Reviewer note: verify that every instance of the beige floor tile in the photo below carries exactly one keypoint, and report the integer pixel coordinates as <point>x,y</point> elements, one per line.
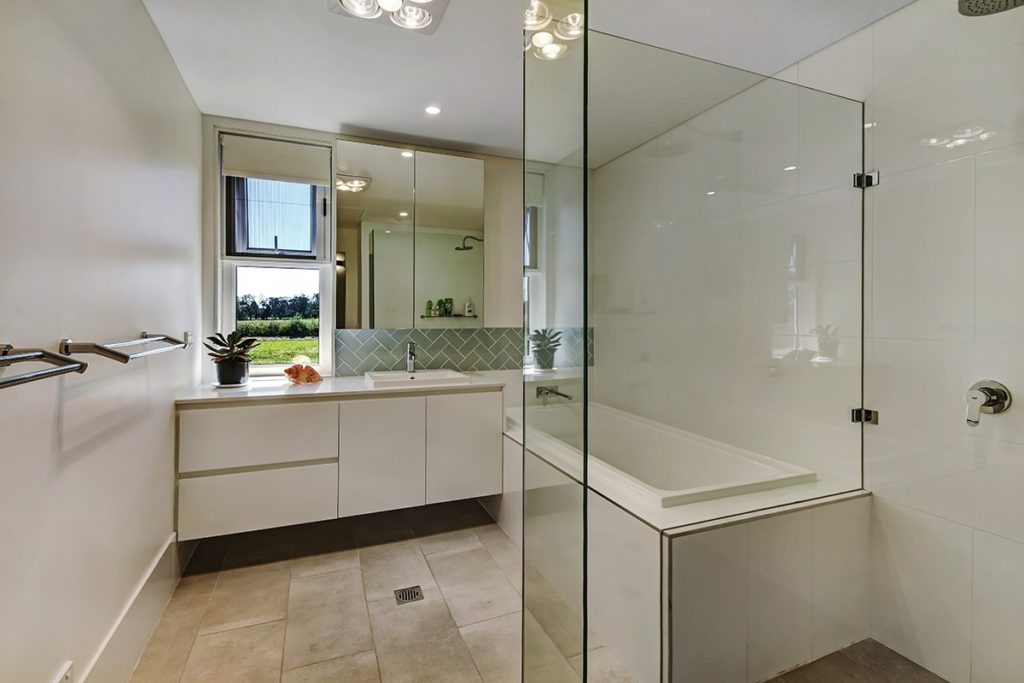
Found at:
<point>461,539</point>
<point>495,646</point>
<point>244,655</point>
<point>248,596</point>
<point>196,584</point>
<point>538,649</point>
<point>359,668</point>
<point>502,549</point>
<point>387,568</point>
<point>168,648</point>
<point>559,671</point>
<point>603,667</point>
<point>514,574</point>
<point>324,547</point>
<point>324,563</point>
<point>473,585</point>
<point>327,618</point>
<point>562,624</point>
<point>419,643</point>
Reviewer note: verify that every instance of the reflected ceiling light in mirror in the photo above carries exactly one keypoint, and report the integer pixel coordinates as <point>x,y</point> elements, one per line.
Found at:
<point>870,124</point>
<point>411,17</point>
<point>364,9</point>
<point>789,168</point>
<point>433,110</point>
<point>542,38</point>
<point>407,154</point>
<point>711,193</point>
<point>536,16</point>
<point>352,183</point>
<point>403,214</point>
<point>959,137</point>
<point>571,27</point>
<point>390,5</point>
<point>551,51</point>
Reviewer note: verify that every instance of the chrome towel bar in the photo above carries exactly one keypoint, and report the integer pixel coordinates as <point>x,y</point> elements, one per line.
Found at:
<point>62,364</point>
<point>113,349</point>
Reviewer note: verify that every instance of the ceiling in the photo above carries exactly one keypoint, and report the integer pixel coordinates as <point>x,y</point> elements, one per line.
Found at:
<point>293,62</point>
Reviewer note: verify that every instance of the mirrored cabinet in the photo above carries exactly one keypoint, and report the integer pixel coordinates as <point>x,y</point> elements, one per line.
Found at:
<point>410,243</point>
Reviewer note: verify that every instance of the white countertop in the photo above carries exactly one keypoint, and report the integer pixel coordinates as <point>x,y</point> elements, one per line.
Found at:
<point>275,389</point>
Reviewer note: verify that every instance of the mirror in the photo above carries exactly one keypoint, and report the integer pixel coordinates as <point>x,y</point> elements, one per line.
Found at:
<point>410,232</point>
<point>449,245</point>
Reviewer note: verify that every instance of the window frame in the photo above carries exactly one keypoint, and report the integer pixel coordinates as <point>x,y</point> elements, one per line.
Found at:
<point>226,264</point>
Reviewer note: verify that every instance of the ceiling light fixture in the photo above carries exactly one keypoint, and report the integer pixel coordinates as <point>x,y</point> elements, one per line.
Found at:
<point>352,183</point>
<point>536,16</point>
<point>546,47</point>
<point>412,17</point>
<point>421,16</point>
<point>433,110</point>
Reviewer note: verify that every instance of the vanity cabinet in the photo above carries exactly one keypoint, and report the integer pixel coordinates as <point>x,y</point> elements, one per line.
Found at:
<point>382,454</point>
<point>243,467</point>
<point>463,446</point>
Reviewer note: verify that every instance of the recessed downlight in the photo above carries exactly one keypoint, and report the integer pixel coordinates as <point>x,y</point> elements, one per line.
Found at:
<point>411,17</point>
<point>536,16</point>
<point>551,51</point>
<point>542,38</point>
<point>433,110</point>
<point>570,28</point>
<point>364,9</point>
<point>408,154</point>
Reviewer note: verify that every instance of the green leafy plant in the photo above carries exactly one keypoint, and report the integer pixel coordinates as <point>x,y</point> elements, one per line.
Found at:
<point>826,333</point>
<point>236,347</point>
<point>544,344</point>
<point>545,341</point>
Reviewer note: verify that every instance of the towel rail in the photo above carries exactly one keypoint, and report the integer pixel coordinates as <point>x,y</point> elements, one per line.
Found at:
<point>62,365</point>
<point>113,349</point>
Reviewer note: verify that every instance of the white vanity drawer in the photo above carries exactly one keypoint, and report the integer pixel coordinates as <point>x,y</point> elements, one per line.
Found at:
<point>244,436</point>
<point>263,499</point>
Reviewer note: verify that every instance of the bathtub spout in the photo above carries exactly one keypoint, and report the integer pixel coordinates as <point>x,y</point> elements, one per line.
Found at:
<point>544,393</point>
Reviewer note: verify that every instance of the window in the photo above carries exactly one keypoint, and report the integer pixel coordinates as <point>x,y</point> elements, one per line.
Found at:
<point>281,308</point>
<point>275,233</point>
<point>273,218</point>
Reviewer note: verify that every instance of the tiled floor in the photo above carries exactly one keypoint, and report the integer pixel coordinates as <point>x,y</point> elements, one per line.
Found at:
<point>316,603</point>
<point>865,662</point>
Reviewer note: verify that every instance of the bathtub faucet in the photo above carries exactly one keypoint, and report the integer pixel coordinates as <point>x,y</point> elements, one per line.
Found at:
<point>544,393</point>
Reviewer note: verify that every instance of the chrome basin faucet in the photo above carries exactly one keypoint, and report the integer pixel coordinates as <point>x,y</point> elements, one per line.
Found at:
<point>410,357</point>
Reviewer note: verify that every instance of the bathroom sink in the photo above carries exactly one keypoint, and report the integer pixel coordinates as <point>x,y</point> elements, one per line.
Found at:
<point>420,378</point>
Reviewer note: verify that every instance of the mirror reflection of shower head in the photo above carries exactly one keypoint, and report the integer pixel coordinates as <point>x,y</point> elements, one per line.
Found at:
<point>981,8</point>
<point>467,247</point>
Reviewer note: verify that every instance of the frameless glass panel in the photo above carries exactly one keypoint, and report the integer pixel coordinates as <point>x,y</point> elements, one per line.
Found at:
<point>555,323</point>
<point>725,241</point>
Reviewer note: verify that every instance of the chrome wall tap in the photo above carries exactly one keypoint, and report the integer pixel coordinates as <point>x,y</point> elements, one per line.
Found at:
<point>986,396</point>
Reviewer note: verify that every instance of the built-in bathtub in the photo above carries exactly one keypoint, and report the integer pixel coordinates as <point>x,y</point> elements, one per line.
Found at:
<point>660,465</point>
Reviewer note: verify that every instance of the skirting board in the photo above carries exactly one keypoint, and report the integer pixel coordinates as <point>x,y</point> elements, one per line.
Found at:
<point>126,641</point>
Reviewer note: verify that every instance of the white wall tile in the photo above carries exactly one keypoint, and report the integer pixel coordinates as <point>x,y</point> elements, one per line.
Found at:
<point>997,655</point>
<point>844,68</point>
<point>709,606</point>
<point>923,253</point>
<point>842,615</point>
<point>1000,244</point>
<point>769,134</point>
<point>842,541</point>
<point>781,594</point>
<point>829,139</point>
<point>921,588</point>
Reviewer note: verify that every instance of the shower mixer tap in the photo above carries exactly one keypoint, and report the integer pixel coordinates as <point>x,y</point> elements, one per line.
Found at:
<point>986,396</point>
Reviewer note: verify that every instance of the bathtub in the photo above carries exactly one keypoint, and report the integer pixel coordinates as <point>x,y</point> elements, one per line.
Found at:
<point>661,465</point>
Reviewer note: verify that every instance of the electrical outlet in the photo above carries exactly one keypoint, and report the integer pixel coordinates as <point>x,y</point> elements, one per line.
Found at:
<point>66,674</point>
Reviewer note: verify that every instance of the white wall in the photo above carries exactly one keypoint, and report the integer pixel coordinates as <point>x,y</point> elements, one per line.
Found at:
<point>944,247</point>
<point>100,212</point>
<point>699,322</point>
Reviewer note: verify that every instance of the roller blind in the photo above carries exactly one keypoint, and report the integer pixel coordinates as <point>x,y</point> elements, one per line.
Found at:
<point>275,160</point>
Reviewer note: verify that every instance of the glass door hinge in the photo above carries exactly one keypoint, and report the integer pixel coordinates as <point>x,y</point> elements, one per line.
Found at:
<point>865,180</point>
<point>864,415</point>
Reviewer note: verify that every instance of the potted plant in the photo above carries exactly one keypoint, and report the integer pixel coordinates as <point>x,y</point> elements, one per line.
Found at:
<point>544,344</point>
<point>232,356</point>
<point>828,340</point>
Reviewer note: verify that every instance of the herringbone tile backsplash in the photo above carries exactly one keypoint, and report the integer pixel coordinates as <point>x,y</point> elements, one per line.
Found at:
<point>487,348</point>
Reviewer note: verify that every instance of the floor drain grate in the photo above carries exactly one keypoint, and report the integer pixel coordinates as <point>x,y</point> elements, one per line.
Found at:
<point>411,594</point>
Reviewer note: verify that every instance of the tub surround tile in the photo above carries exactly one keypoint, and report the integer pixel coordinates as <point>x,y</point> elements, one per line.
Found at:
<point>998,593</point>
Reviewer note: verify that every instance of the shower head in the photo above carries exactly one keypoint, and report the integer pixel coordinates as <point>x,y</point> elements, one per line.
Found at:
<point>981,8</point>
<point>466,247</point>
